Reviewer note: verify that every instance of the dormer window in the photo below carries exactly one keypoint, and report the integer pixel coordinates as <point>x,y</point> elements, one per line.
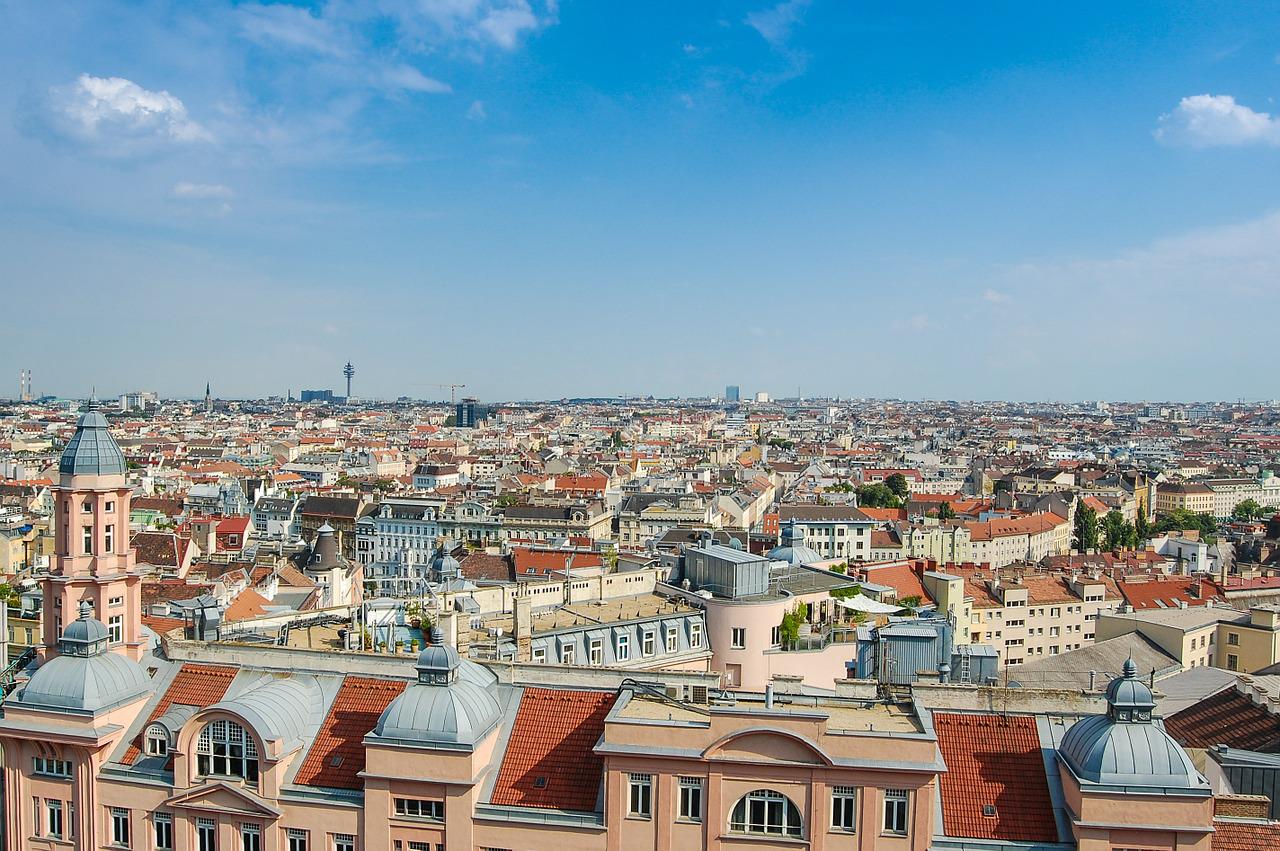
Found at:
<point>157,741</point>
<point>225,749</point>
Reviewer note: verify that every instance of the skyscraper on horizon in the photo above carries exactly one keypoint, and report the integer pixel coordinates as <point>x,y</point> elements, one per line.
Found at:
<point>732,393</point>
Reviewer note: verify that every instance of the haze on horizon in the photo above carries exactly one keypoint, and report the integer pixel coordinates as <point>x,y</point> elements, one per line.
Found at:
<point>545,200</point>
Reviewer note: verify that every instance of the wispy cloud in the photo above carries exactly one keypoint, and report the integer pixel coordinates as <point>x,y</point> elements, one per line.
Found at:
<point>476,111</point>
<point>201,191</point>
<point>776,22</point>
<point>1206,121</point>
<point>283,25</point>
<point>410,79</point>
<point>115,117</point>
<point>994,296</point>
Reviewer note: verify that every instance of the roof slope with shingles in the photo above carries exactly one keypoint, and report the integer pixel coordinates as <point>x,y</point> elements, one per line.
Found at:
<point>337,756</point>
<point>550,761</point>
<point>194,685</point>
<point>1245,835</point>
<point>994,760</point>
<point>1226,718</point>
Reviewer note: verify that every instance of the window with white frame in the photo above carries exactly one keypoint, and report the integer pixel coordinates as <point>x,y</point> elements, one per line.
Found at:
<point>344,842</point>
<point>120,827</point>
<point>765,811</point>
<point>157,741</point>
<point>87,540</point>
<point>622,647</point>
<point>640,799</point>
<point>539,655</point>
<point>53,818</point>
<point>690,798</point>
<point>109,538</point>
<point>738,638</point>
<point>206,834</point>
<point>895,811</point>
<point>250,837</point>
<point>51,767</point>
<point>673,640</point>
<point>844,807</point>
<point>566,654</point>
<point>695,636</point>
<point>115,629</point>
<point>296,839</point>
<point>420,809</point>
<point>225,749</point>
<point>647,644</point>
<point>595,652</point>
<point>162,828</point>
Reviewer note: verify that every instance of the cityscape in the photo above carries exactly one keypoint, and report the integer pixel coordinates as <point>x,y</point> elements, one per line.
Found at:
<point>519,425</point>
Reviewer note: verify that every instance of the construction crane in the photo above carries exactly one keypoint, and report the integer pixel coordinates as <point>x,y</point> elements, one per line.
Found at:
<point>453,390</point>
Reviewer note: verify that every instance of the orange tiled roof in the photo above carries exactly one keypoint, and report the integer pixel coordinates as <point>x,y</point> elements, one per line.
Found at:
<point>194,685</point>
<point>1245,835</point>
<point>337,756</point>
<point>994,760</point>
<point>550,760</point>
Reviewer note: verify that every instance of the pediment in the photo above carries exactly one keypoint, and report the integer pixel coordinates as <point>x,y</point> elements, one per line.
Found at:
<point>767,746</point>
<point>220,797</point>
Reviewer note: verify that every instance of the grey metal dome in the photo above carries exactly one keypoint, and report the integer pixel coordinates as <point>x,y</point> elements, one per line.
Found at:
<point>444,566</point>
<point>458,714</point>
<point>1126,746</point>
<point>86,677</point>
<point>792,549</point>
<point>92,451</point>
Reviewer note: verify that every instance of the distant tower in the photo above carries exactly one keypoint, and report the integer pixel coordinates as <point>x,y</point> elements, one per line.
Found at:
<point>349,371</point>
<point>24,386</point>
<point>208,399</point>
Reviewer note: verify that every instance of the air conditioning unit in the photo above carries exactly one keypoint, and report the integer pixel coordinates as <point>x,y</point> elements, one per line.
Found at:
<point>698,694</point>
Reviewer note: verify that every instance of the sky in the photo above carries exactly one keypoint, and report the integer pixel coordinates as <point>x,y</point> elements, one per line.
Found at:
<point>1021,201</point>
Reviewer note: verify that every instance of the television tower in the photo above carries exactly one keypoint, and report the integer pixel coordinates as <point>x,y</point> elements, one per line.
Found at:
<point>348,371</point>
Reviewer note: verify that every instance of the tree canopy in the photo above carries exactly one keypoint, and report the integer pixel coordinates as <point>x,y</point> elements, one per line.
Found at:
<point>1086,532</point>
<point>898,484</point>
<point>878,495</point>
<point>1180,520</point>
<point>1118,533</point>
<point>1248,509</point>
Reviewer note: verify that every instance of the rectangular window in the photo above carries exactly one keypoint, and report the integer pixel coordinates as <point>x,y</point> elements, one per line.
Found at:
<point>53,818</point>
<point>115,602</point>
<point>596,652</point>
<point>51,767</point>
<point>344,842</point>
<point>109,539</point>
<point>88,540</point>
<point>115,629</point>
<point>895,811</point>
<point>250,837</point>
<point>844,807</point>
<point>690,798</point>
<point>120,827</point>
<point>162,826</point>
<point>673,640</point>
<point>1233,638</point>
<point>86,507</point>
<point>738,638</point>
<point>646,644</point>
<point>1233,662</point>
<point>206,834</point>
<point>109,506</point>
<point>623,647</point>
<point>566,654</point>
<point>695,636</point>
<point>640,802</point>
<point>539,655</point>
<point>296,839</point>
<point>418,808</point>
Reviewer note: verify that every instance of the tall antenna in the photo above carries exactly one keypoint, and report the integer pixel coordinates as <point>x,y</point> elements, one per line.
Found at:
<point>349,371</point>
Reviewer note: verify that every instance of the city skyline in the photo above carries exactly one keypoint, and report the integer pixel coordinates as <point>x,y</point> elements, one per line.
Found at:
<point>501,191</point>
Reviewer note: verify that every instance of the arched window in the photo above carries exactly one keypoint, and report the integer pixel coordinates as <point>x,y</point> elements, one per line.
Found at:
<point>157,741</point>
<point>766,811</point>
<point>225,749</point>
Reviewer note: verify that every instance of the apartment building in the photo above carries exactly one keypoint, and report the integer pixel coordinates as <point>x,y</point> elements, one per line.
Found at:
<point>834,531</point>
<point>1202,636</point>
<point>1184,496</point>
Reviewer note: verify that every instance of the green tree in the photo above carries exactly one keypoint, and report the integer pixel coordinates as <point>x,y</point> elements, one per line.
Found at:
<point>898,484</point>
<point>878,495</point>
<point>1117,532</point>
<point>946,512</point>
<point>1247,510</point>
<point>1142,526</point>
<point>1181,520</point>
<point>1086,537</point>
<point>789,629</point>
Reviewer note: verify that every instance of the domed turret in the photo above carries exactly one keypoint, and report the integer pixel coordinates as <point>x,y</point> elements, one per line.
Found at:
<point>325,554</point>
<point>447,707</point>
<point>1126,747</point>
<point>792,550</point>
<point>444,566</point>
<point>92,451</point>
<point>86,676</point>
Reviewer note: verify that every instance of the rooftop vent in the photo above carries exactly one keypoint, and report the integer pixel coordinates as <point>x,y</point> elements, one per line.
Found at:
<point>989,810</point>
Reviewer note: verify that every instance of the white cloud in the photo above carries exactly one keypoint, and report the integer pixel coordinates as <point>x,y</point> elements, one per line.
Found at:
<point>201,191</point>
<point>994,296</point>
<point>290,26</point>
<point>408,78</point>
<point>424,23</point>
<point>117,117</point>
<point>476,111</point>
<point>775,23</point>
<point>1206,121</point>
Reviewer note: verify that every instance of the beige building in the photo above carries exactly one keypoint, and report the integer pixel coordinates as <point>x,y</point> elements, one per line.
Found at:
<point>1201,636</point>
<point>1184,496</point>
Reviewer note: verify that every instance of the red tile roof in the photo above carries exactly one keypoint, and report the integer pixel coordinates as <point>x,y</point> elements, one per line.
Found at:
<point>194,685</point>
<point>1226,718</point>
<point>994,760</point>
<point>337,756</point>
<point>550,760</point>
<point>1168,593</point>
<point>1245,835</point>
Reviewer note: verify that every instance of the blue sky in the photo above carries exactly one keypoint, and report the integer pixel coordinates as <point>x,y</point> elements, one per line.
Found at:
<point>537,199</point>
